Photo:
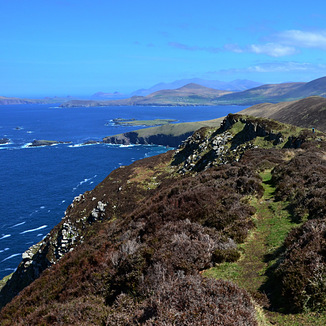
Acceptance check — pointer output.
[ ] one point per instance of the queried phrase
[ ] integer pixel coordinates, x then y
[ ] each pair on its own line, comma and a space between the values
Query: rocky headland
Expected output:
159, 241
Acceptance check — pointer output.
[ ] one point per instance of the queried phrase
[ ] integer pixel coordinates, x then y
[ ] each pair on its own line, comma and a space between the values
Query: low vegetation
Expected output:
238, 243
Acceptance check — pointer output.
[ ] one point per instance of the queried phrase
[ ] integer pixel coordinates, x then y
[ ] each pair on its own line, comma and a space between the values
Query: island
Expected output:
37, 143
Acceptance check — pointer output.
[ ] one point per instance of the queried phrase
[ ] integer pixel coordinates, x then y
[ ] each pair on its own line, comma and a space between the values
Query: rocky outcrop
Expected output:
61, 240
4, 141
37, 143
208, 147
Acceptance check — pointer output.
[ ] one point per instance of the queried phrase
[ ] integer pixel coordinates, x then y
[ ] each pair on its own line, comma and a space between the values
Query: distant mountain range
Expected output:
188, 95
233, 86
193, 94
46, 100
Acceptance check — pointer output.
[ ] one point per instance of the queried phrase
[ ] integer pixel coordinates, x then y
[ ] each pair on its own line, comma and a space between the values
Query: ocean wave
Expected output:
27, 145
3, 250
84, 181
32, 230
5, 236
7, 143
11, 256
82, 145
121, 145
76, 145
18, 224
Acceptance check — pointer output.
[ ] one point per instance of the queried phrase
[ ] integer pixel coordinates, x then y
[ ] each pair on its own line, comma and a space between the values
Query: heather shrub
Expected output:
301, 274
301, 182
187, 300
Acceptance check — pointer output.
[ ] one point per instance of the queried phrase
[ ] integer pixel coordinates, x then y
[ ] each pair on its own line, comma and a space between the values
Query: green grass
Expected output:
260, 251
225, 271
237, 127
5, 280
154, 122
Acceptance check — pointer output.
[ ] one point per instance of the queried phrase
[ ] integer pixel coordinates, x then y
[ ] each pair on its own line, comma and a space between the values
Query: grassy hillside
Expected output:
167, 135
226, 230
265, 93
309, 112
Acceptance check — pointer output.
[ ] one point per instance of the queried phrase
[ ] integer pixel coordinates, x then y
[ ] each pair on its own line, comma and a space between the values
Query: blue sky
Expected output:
70, 47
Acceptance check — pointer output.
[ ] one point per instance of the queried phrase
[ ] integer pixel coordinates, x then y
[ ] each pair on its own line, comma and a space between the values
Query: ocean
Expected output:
38, 184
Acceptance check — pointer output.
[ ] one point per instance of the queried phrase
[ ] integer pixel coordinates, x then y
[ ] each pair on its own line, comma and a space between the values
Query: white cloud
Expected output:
272, 49
303, 39
285, 66
187, 47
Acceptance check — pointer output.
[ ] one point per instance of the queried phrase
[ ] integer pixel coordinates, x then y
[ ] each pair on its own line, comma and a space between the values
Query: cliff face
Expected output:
132, 250
158, 139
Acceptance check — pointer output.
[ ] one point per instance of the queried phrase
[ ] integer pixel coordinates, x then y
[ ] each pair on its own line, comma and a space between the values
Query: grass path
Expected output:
259, 252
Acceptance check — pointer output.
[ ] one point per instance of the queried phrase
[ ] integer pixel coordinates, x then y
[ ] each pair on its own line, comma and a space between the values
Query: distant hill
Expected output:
14, 100
47, 100
265, 93
308, 112
108, 96
195, 94
234, 86
190, 94
315, 87
275, 93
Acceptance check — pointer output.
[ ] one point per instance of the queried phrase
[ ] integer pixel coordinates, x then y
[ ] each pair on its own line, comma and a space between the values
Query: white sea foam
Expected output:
76, 145
5, 236
11, 256
27, 145
3, 250
82, 145
18, 224
32, 230
85, 181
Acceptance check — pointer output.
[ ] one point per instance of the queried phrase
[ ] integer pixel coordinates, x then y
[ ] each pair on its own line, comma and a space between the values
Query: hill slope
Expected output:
309, 112
133, 250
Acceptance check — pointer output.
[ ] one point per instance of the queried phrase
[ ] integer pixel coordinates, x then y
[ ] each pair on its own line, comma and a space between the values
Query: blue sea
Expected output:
38, 184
